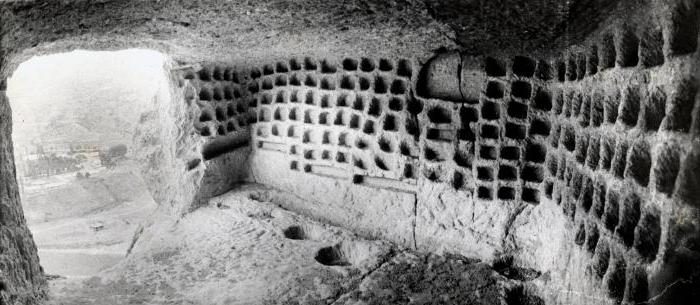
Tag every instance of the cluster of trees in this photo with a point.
(109, 158)
(80, 175)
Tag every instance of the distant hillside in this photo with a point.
(83, 94)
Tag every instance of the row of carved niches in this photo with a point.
(622, 106)
(505, 126)
(352, 117)
(594, 124)
(382, 78)
(622, 226)
(633, 106)
(223, 99)
(497, 142)
(647, 45)
(631, 233)
(620, 155)
(624, 140)
(224, 107)
(501, 117)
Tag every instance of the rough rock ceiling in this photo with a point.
(197, 30)
(487, 26)
(227, 30)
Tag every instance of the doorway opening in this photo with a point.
(74, 117)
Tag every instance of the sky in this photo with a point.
(103, 91)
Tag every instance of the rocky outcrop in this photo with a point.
(576, 158)
(21, 278)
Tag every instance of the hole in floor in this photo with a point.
(295, 232)
(332, 256)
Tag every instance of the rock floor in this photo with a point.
(240, 250)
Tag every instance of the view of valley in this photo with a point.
(82, 193)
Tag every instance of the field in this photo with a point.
(83, 224)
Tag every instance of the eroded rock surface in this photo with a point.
(238, 250)
(561, 138)
(22, 279)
